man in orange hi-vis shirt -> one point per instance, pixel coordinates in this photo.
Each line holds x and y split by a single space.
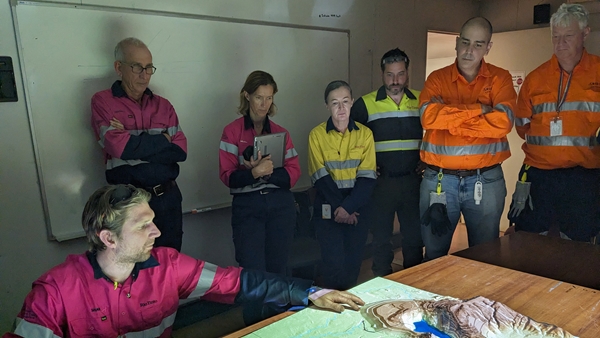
558 115
466 111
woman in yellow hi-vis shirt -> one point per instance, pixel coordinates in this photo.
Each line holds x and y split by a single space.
341 164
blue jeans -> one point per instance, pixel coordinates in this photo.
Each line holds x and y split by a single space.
483 220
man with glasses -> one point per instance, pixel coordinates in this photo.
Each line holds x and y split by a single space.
392 114
141 139
466 111
125 287
558 116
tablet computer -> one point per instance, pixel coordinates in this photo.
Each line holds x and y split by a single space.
271 144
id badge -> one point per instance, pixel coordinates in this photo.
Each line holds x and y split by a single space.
556 127
326 211
434 197
478 193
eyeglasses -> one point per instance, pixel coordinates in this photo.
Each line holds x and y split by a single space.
123 192
138 69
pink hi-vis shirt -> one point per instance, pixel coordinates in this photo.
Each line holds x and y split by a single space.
75 299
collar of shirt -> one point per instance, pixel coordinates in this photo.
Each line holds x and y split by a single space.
248 124
98 273
584 63
382 94
351 125
483 71
118 91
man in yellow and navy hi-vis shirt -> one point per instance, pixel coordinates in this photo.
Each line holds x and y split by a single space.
341 165
392 114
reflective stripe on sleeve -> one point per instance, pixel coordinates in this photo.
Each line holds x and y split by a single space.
507 110
207 277
366 174
154 331
322 172
290 153
423 107
564 141
521 121
228 147
476 149
27 329
397 145
345 184
393 114
254 187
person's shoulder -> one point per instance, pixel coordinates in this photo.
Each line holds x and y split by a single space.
276 128
104 94
319 128
72 268
235 123
364 130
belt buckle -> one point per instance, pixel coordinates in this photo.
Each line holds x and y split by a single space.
158 190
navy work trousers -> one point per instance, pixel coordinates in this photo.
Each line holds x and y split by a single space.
168 218
567 199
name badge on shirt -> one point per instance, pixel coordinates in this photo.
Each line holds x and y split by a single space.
326 211
556 127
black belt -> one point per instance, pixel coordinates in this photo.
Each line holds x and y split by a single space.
160 189
460 172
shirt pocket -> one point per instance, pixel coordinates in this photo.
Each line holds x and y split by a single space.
92 327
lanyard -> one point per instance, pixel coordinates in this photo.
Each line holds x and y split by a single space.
561 97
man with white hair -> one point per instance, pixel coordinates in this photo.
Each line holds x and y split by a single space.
558 115
141 139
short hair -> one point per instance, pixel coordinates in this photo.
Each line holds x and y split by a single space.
123 44
481 22
568 12
394 55
333 85
256 79
108 208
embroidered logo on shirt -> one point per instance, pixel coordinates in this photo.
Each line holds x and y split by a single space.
96 309
487 89
595 86
150 302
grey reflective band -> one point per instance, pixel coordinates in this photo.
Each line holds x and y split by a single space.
366 174
117 162
345 184
340 165
154 331
254 187
207 277
228 147
290 153
322 172
561 141
27 329
550 107
393 114
476 149
397 145
507 110
423 107
241 159
519 122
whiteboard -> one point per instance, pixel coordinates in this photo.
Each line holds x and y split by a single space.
66 54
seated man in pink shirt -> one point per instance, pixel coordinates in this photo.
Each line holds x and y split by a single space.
125 287
141 139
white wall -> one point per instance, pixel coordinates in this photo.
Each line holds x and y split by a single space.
375 26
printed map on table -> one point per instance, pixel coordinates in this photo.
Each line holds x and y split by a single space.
318 323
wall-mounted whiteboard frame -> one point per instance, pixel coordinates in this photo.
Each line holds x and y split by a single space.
66 56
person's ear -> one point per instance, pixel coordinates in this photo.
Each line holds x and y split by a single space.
107 237
246 95
489 46
117 66
586 32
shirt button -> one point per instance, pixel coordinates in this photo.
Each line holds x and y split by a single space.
123 313
92 328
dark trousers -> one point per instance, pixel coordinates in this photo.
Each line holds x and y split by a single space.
565 199
394 195
168 218
342 249
263 224
263 229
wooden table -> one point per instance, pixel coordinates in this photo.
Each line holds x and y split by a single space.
572 307
568 261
